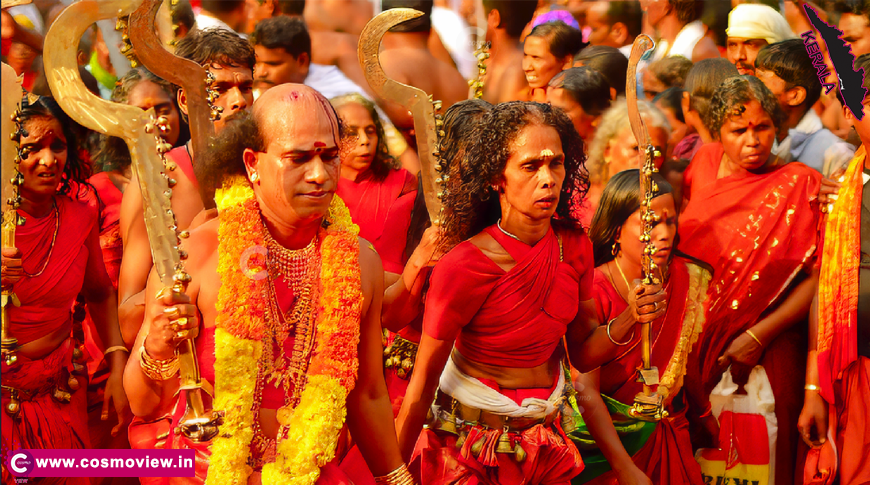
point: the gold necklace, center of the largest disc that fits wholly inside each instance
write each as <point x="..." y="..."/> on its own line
<point x="627" y="286"/>
<point x="299" y="268"/>
<point x="50" y="248"/>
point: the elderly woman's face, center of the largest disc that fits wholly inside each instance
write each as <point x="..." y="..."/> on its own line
<point x="362" y="136"/>
<point x="45" y="149"/>
<point x="748" y="137"/>
<point x="622" y="152"/>
<point x="534" y="173"/>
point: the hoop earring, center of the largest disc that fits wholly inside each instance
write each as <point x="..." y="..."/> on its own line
<point x="615" y="249"/>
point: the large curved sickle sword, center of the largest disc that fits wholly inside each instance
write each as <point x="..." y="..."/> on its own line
<point x="137" y="128"/>
<point x="11" y="98"/>
<point x="413" y="99"/>
<point x="647" y="404"/>
<point x="182" y="72"/>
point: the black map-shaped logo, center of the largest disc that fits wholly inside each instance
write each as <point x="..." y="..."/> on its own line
<point x="851" y="80"/>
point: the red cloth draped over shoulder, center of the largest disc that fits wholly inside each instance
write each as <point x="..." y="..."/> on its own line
<point x="757" y="232"/>
<point x="47" y="300"/>
<point x="514" y="318"/>
<point x="383" y="212"/>
<point x="667" y="455"/>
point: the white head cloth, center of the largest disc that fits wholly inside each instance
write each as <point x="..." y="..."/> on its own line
<point x="755" y="21"/>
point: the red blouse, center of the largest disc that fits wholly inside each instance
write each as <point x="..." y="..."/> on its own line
<point x="514" y="318"/>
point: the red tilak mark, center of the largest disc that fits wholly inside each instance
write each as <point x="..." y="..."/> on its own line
<point x="319" y="144"/>
<point x="294" y="95"/>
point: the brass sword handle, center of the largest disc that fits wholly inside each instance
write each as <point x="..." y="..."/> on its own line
<point x="137" y="128"/>
<point x="413" y="99"/>
<point x="192" y="77"/>
<point x="648" y="405"/>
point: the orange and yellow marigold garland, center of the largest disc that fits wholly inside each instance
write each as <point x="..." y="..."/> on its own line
<point x="315" y="424"/>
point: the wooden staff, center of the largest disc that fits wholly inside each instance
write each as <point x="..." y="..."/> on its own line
<point x="141" y="130"/>
<point x="647" y="404"/>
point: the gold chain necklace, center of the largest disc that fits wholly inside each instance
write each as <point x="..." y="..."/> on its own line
<point x="627" y="286"/>
<point x="50" y="248"/>
<point x="299" y="269"/>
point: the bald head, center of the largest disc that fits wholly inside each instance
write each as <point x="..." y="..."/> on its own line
<point x="285" y="107"/>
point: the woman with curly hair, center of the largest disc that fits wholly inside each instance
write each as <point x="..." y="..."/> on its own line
<point x="662" y="450"/>
<point x="754" y="220"/>
<point x="499" y="304"/>
<point x="58" y="256"/>
<point x="379" y="194"/>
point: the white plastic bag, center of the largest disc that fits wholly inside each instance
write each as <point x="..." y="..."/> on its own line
<point x="746" y="423"/>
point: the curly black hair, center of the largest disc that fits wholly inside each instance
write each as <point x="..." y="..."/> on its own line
<point x="469" y="187"/>
<point x="459" y="121"/>
<point x="732" y="94"/>
<point x="75" y="172"/>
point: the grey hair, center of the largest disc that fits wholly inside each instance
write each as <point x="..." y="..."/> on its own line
<point x="613" y="121"/>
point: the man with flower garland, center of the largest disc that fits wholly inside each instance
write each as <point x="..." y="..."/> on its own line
<point x="284" y="305"/>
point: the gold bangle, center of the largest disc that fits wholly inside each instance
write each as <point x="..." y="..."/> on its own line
<point x="754" y="337"/>
<point x="614" y="341"/>
<point x="399" y="476"/>
<point x="812" y="387"/>
<point x="157" y="370"/>
<point x="116" y="348"/>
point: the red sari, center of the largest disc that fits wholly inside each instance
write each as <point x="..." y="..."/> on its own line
<point x="512" y="319"/>
<point x="757" y="232"/>
<point x="46" y="305"/>
<point x="666" y="456"/>
<point x="382" y="210"/>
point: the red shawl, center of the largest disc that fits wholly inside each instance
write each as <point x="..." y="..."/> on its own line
<point x="513" y="319"/>
<point x="382" y="213"/>
<point x="757" y="232"/>
<point x="47" y="300"/>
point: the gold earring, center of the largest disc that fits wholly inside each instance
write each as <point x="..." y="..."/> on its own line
<point x="254" y="177"/>
<point x="615" y="249"/>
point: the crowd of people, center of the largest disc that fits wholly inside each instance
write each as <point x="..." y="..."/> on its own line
<point x="344" y="337"/>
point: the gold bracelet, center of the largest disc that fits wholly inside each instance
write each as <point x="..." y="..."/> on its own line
<point x="157" y="370"/>
<point x="812" y="387"/>
<point x="754" y="337"/>
<point x="614" y="341"/>
<point x="116" y="348"/>
<point x="399" y="476"/>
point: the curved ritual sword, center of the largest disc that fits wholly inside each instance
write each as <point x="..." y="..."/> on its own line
<point x="137" y="128"/>
<point x="648" y="404"/>
<point x="413" y="99"/>
<point x="192" y="77"/>
<point x="10" y="98"/>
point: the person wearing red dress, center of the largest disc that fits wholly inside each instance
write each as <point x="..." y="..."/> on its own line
<point x="379" y="194"/>
<point x="517" y="281"/>
<point x="754" y="220"/>
<point x="56" y="256"/>
<point x="662" y="450"/>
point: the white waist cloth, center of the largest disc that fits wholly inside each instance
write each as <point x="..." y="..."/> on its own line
<point x="471" y="392"/>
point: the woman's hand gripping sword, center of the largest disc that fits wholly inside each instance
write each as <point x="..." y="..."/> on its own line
<point x="648" y="404"/>
<point x="142" y="131"/>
